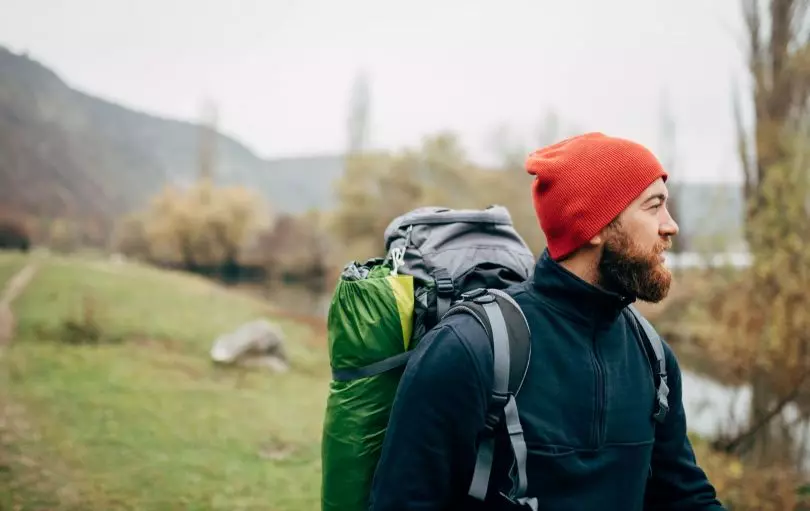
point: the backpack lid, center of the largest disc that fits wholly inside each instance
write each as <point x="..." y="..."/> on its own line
<point x="434" y="215"/>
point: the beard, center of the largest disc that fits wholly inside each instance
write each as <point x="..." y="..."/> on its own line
<point x="629" y="269"/>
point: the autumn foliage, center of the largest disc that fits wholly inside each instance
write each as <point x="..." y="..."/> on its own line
<point x="756" y="320"/>
<point x="200" y="225"/>
<point x="377" y="187"/>
<point x="14" y="235"/>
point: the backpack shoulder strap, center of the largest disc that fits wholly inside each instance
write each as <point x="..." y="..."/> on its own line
<point x="510" y="337"/>
<point x="654" y="349"/>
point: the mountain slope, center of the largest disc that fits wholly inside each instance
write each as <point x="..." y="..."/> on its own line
<point x="63" y="152"/>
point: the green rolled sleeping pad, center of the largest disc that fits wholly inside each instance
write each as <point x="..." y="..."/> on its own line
<point x="369" y="325"/>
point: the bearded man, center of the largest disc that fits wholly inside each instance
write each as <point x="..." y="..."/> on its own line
<point x="585" y="404"/>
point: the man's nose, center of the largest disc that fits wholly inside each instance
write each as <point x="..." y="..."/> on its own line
<point x="669" y="227"/>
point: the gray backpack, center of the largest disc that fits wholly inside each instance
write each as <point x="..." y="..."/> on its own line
<point x="450" y="252"/>
<point x="462" y="261"/>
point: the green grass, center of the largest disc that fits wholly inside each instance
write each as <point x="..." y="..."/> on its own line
<point x="145" y="421"/>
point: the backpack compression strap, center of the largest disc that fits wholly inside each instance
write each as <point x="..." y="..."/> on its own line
<point x="658" y="361"/>
<point x="445" y="290"/>
<point x="499" y="314"/>
<point x="374" y="369"/>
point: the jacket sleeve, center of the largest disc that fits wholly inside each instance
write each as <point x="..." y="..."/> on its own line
<point x="677" y="482"/>
<point x="428" y="455"/>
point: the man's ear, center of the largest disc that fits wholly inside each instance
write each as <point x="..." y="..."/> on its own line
<point x="600" y="237"/>
<point x="597" y="240"/>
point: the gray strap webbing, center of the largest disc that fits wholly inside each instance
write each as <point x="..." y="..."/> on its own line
<point x="518" y="445"/>
<point x="500" y="341"/>
<point x="442" y="306"/>
<point x="653" y="337"/>
<point x="483" y="464"/>
<point x="662" y="392"/>
<point x="483" y="468"/>
<point x="372" y="369"/>
<point x="531" y="502"/>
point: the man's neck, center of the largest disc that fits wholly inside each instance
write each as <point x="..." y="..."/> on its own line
<point x="584" y="266"/>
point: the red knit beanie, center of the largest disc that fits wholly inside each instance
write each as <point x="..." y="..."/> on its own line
<point x="582" y="183"/>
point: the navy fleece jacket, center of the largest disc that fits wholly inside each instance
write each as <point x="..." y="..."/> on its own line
<point x="585" y="406"/>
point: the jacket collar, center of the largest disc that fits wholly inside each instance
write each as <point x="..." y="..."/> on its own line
<point x="573" y="295"/>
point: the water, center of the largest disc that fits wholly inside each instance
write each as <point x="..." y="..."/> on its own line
<point x="713" y="408"/>
<point x="296" y="299"/>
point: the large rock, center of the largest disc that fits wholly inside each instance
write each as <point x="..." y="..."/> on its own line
<point x="258" y="343"/>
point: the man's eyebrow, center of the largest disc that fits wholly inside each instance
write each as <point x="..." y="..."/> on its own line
<point x="660" y="196"/>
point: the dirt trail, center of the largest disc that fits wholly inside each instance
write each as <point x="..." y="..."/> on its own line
<point x="13" y="425"/>
<point x="13" y="289"/>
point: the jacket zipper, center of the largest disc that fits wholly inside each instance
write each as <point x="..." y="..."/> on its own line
<point x="600" y="394"/>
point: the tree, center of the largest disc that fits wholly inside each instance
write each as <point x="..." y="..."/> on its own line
<point x="377" y="187"/>
<point x="669" y="152"/>
<point x="202" y="225"/>
<point x="549" y="130"/>
<point x="296" y="246"/>
<point x="62" y="235"/>
<point x="130" y="237"/>
<point x="207" y="157"/>
<point x="14" y="235"/>
<point x="359" y="113"/>
<point x="765" y="314"/>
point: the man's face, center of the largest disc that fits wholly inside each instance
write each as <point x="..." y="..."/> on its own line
<point x="632" y="260"/>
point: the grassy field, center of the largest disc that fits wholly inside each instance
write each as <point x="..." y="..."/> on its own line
<point x="108" y="399"/>
<point x="142" y="419"/>
<point x="10" y="263"/>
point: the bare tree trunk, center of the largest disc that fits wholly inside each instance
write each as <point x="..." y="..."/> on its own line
<point x="779" y="92"/>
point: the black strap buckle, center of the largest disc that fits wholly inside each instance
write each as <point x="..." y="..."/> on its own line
<point x="444" y="283"/>
<point x="495" y="412"/>
<point x="491" y="421"/>
<point x="499" y="399"/>
<point x="661" y="403"/>
<point x="473" y="293"/>
<point x="445" y="287"/>
<point x="661" y="410"/>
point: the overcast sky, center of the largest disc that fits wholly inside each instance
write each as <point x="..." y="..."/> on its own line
<point x="281" y="71"/>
